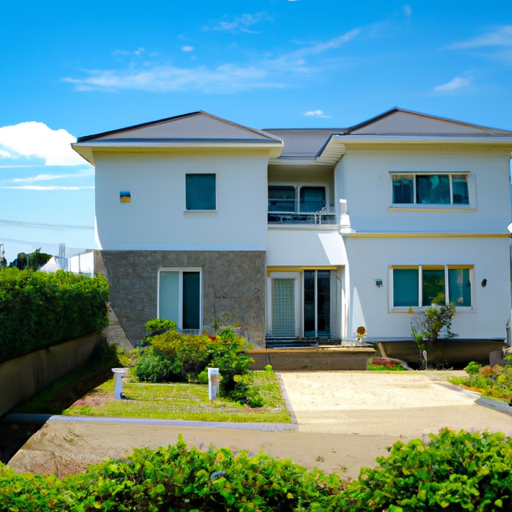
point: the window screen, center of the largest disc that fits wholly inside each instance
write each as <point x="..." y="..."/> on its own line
<point x="405" y="287"/>
<point x="200" y="192"/>
<point x="281" y="198"/>
<point x="460" y="286"/>
<point x="312" y="199"/>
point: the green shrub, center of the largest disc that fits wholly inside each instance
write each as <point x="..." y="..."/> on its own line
<point x="175" y="479"/>
<point x="177" y="357"/>
<point x="495" y="382"/>
<point x="454" y="471"/>
<point x="227" y="354"/>
<point x="173" y="357"/>
<point x="158" y="324"/>
<point x="269" y="368"/>
<point x="39" y="309"/>
<point x="473" y="368"/>
<point x="202" y="378"/>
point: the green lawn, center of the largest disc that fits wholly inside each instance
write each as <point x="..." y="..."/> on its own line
<point x="181" y="401"/>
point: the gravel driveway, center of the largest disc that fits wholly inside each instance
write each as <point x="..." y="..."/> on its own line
<point x="372" y="403"/>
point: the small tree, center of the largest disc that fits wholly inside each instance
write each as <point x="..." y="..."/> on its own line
<point x="427" y="326"/>
<point x="35" y="260"/>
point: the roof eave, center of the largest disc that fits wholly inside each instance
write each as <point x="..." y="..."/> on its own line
<point x="427" y="139"/>
<point x="87" y="149"/>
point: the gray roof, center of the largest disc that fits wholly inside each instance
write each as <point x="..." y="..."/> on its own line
<point x="306" y="143"/>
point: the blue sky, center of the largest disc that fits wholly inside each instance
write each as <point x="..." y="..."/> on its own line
<point x="75" y="68"/>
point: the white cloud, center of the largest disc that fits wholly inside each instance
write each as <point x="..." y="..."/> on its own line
<point x="187" y="48"/>
<point x="227" y="78"/>
<point x="500" y="37"/>
<point x="43" y="188"/>
<point x="316" y="113"/>
<point x="240" y="23"/>
<point x="5" y="154"/>
<point x="452" y="85"/>
<point x="407" y="10"/>
<point x="33" y="139"/>
<point x="127" y="52"/>
<point x="48" y="177"/>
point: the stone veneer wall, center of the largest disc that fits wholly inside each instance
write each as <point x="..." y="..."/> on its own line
<point x="234" y="284"/>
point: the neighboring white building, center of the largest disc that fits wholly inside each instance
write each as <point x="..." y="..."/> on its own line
<point x="304" y="233"/>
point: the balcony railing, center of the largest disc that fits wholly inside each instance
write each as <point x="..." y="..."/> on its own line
<point x="320" y="217"/>
<point x="340" y="218"/>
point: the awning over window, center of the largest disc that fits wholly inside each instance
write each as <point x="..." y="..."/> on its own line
<point x="295" y="247"/>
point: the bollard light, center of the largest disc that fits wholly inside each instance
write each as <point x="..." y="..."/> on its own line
<point x="119" y="373"/>
<point x="213" y="383"/>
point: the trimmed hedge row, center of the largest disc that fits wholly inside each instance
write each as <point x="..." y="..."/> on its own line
<point x="453" y="471"/>
<point x="175" y="479"/>
<point x="38" y="309"/>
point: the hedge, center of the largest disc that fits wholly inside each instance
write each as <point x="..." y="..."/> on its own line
<point x="452" y="471"/>
<point x="39" y="309"/>
<point x="175" y="479"/>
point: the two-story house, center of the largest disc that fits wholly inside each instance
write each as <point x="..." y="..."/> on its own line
<point x="304" y="233"/>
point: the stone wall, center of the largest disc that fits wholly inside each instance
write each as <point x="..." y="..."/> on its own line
<point x="234" y="284"/>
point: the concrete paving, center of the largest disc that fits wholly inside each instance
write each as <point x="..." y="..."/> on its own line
<point x="390" y="404"/>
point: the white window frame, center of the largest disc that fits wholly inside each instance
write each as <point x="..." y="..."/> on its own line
<point x="419" y="268"/>
<point x="435" y="206"/>
<point x="216" y="192"/>
<point x="181" y="271"/>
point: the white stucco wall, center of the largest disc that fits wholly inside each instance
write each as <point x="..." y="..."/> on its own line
<point x="156" y="217"/>
<point x="363" y="178"/>
<point x="305" y="247"/>
<point x="371" y="258"/>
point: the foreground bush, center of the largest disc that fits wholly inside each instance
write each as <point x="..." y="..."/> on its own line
<point x="38" y="309"/>
<point x="175" y="479"/>
<point x="454" y="471"/>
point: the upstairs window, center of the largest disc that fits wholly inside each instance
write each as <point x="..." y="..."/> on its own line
<point x="281" y="199"/>
<point x="425" y="285"/>
<point x="201" y="192"/>
<point x="443" y="189"/>
<point x="287" y="198"/>
<point x="312" y="199"/>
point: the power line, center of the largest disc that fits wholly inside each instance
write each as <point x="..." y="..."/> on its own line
<point x="37" y="225"/>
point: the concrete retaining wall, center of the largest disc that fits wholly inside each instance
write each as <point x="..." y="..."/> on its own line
<point x="314" y="359"/>
<point x="23" y="377"/>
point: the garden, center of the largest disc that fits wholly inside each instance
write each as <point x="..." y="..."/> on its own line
<point x="168" y="380"/>
<point x="492" y="382"/>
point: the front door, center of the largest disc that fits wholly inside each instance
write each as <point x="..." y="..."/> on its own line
<point x="284" y="300"/>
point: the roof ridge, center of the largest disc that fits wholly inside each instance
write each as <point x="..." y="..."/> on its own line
<point x="173" y="119"/>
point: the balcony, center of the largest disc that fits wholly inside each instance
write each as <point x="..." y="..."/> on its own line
<point x="319" y="217"/>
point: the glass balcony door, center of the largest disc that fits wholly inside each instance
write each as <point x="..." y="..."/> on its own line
<point x="317" y="303"/>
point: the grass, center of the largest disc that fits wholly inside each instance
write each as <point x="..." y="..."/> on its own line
<point x="181" y="401"/>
